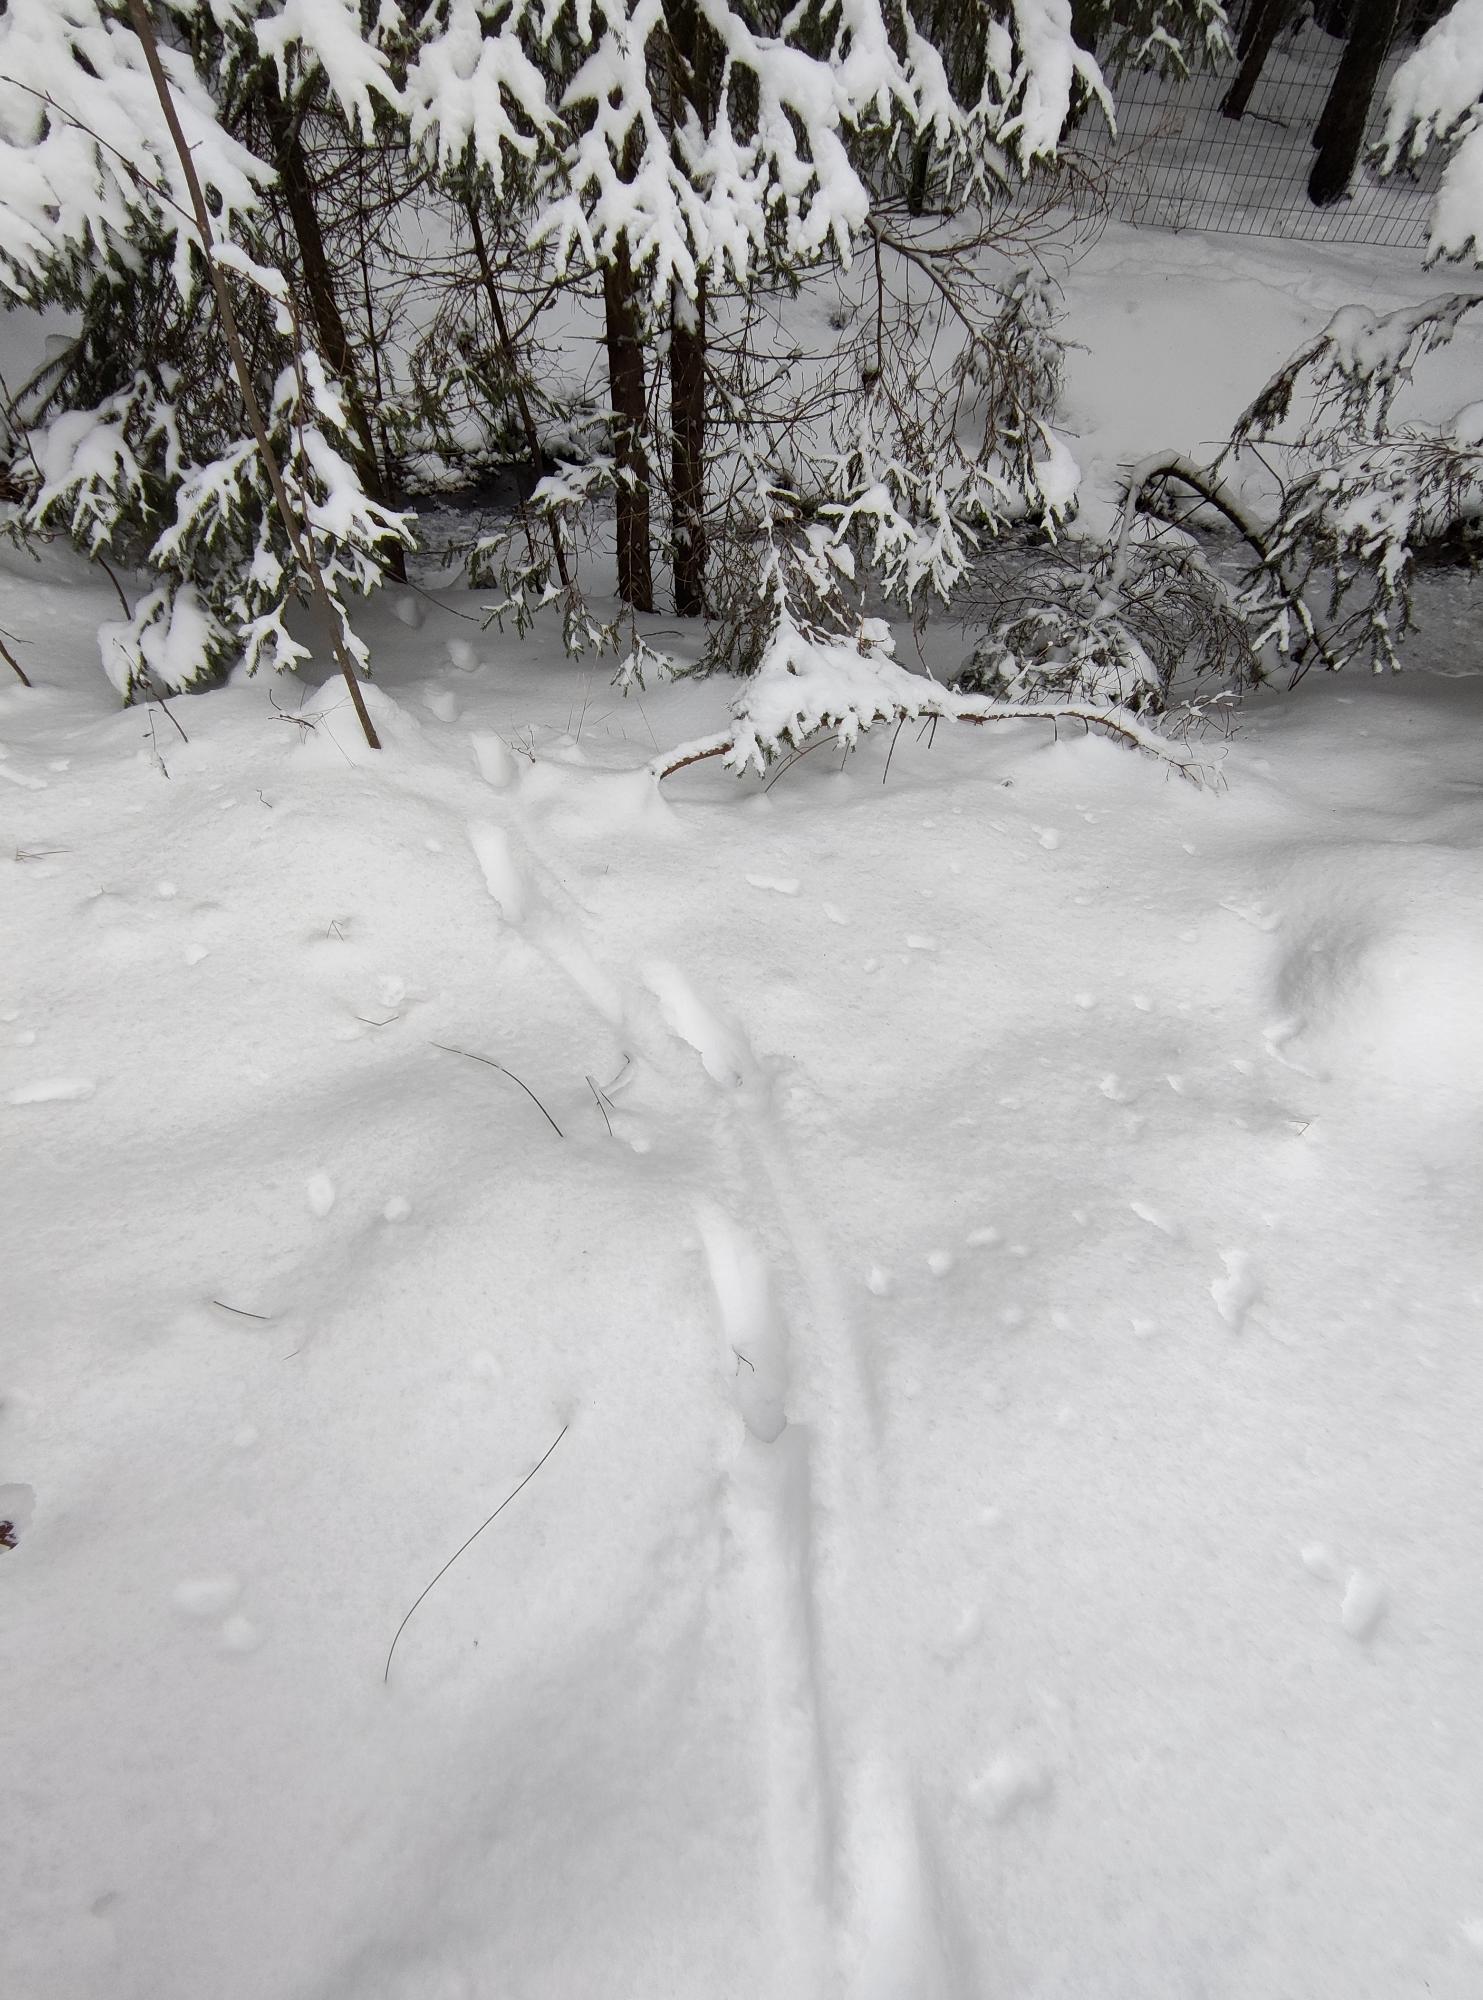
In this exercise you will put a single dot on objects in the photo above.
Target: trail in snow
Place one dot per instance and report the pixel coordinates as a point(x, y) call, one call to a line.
point(851, 1882)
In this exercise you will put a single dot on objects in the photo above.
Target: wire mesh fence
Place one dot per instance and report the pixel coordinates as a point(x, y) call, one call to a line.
point(1178, 163)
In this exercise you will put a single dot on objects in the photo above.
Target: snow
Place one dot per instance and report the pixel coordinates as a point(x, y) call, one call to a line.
point(991, 1224)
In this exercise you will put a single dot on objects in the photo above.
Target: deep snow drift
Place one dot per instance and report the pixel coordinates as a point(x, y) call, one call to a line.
point(1002, 1243)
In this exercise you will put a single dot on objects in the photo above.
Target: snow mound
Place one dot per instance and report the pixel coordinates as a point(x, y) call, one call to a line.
point(1377, 976)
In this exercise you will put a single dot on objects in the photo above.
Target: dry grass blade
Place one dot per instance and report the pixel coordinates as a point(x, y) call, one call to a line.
point(386, 1674)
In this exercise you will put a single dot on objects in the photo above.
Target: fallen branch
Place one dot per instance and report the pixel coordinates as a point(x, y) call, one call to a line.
point(1208, 486)
point(11, 660)
point(739, 746)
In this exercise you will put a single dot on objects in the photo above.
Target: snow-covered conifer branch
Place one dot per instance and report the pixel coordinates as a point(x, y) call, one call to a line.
point(1436, 100)
point(86, 157)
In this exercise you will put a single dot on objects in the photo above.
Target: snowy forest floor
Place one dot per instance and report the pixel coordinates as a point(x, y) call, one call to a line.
point(1008, 1270)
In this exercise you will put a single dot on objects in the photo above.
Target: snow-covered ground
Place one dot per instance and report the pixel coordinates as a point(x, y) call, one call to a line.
point(997, 1244)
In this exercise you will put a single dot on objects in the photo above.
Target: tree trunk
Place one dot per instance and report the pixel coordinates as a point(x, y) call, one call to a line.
point(297, 183)
point(687, 420)
point(1341, 128)
point(1085, 17)
point(1265, 20)
point(627, 393)
point(517, 386)
point(299, 541)
point(695, 71)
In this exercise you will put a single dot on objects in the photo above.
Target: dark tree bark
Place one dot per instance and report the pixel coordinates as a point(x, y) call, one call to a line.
point(687, 420)
point(293, 527)
point(297, 182)
point(1265, 20)
point(628, 394)
point(1341, 128)
point(695, 68)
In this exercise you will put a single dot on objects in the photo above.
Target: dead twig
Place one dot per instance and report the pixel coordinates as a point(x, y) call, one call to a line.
point(15, 665)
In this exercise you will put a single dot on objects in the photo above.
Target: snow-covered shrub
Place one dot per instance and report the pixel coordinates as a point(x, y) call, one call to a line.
point(157, 475)
point(139, 441)
point(1141, 626)
point(1362, 495)
point(1435, 100)
point(1145, 617)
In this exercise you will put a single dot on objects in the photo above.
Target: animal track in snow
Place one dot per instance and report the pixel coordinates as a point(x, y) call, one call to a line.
point(502, 876)
point(495, 759)
point(720, 1046)
point(240, 1635)
point(1236, 1292)
point(319, 1190)
point(1013, 1781)
point(752, 1335)
point(52, 1090)
point(781, 885)
point(207, 1596)
point(1364, 1604)
point(1157, 1219)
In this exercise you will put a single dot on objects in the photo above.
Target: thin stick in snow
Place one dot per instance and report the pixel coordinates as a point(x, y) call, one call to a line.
point(386, 1674)
point(12, 661)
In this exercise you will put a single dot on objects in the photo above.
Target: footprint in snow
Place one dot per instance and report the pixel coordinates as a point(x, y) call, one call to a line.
point(1365, 1596)
point(720, 1045)
point(495, 759)
point(502, 875)
point(1012, 1782)
point(1236, 1292)
point(207, 1596)
point(753, 1340)
point(1364, 1604)
point(1156, 1218)
point(239, 1635)
point(320, 1191)
point(52, 1090)
point(780, 885)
